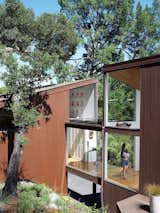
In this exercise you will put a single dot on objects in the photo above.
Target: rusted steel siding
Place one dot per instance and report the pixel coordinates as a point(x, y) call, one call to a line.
point(150, 124)
point(113, 193)
point(150, 129)
point(44, 155)
point(44, 158)
point(3, 156)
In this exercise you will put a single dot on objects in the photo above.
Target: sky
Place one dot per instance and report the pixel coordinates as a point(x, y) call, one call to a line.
point(41, 6)
point(51, 6)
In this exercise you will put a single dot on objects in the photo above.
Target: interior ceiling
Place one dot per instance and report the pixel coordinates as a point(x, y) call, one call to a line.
point(131, 77)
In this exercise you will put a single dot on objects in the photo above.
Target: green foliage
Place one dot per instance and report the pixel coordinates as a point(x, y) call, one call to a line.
point(24, 117)
point(112, 31)
point(16, 25)
point(143, 36)
point(33, 197)
point(55, 34)
point(121, 101)
point(30, 48)
point(66, 205)
point(101, 25)
point(153, 189)
point(114, 148)
point(3, 90)
point(64, 72)
point(23, 140)
point(63, 204)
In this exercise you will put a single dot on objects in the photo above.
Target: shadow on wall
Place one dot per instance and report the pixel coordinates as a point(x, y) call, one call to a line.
point(40, 100)
point(22, 171)
point(8, 129)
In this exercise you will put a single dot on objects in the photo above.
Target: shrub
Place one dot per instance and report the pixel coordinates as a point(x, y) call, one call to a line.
point(153, 189)
point(33, 197)
point(66, 205)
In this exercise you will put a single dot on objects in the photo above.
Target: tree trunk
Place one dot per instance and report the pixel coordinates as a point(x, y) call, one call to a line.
point(11, 136)
point(10, 187)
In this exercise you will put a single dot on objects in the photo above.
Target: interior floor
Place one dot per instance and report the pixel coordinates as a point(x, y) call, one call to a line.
point(114, 172)
point(93, 168)
point(131, 180)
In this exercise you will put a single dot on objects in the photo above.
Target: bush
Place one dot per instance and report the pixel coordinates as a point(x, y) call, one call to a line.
point(153, 189)
point(66, 205)
point(32, 198)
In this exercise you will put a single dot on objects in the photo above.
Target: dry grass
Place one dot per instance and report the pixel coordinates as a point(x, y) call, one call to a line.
point(152, 189)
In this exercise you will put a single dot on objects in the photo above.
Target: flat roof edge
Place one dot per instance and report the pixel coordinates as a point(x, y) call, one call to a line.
point(76, 83)
point(151, 60)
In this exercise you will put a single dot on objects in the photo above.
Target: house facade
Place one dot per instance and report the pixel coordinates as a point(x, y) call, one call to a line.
point(75, 141)
point(44, 157)
point(141, 131)
point(90, 145)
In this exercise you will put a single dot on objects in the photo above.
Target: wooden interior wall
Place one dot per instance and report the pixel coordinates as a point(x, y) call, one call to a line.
point(150, 125)
point(113, 193)
point(44, 159)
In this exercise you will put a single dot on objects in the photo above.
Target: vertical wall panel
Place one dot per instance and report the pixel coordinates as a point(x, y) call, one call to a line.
point(3, 156)
point(150, 125)
point(44, 157)
point(114, 193)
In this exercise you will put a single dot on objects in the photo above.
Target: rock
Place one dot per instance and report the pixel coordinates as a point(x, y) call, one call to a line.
point(53, 198)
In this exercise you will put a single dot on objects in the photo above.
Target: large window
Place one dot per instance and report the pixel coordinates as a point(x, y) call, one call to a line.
point(122, 159)
point(122, 100)
point(84, 150)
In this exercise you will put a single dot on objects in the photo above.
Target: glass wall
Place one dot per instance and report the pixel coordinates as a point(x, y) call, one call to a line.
point(84, 150)
point(122, 103)
point(122, 159)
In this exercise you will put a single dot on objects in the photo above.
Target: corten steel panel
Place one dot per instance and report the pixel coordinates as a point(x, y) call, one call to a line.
point(44, 158)
point(150, 125)
point(112, 194)
point(3, 155)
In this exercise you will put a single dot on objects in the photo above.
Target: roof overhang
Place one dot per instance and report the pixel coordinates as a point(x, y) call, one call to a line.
point(128, 72)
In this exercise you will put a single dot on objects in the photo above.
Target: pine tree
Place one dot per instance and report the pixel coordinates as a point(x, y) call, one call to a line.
point(101, 25)
point(30, 47)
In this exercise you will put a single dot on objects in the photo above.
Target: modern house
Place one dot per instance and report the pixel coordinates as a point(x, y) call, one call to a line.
point(44, 157)
point(89, 143)
point(142, 130)
point(75, 141)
